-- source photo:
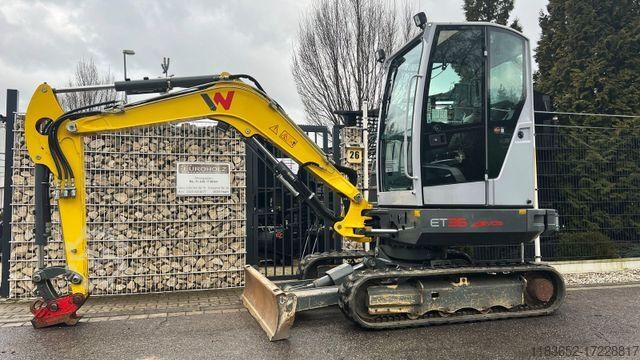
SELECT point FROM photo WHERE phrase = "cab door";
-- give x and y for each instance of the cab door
(398, 180)
(453, 165)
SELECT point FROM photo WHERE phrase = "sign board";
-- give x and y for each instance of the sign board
(354, 155)
(203, 179)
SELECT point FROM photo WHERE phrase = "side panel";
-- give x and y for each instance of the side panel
(461, 227)
(455, 194)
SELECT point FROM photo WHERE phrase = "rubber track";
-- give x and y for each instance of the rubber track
(351, 285)
(312, 261)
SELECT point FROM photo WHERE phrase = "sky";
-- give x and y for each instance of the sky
(42, 41)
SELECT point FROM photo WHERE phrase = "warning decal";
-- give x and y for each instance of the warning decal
(288, 138)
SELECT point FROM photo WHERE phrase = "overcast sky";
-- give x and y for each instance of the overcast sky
(43, 40)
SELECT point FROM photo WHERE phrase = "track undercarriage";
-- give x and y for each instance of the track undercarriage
(395, 298)
(380, 294)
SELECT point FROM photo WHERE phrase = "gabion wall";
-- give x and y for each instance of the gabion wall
(142, 237)
(352, 137)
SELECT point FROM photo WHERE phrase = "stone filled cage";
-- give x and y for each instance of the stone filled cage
(142, 238)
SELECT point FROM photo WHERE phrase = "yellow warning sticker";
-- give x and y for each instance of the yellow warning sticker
(288, 138)
(274, 128)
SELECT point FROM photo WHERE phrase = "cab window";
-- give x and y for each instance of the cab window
(506, 94)
(453, 148)
(397, 119)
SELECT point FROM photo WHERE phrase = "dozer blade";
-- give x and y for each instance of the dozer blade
(272, 308)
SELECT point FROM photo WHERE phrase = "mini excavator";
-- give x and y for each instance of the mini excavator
(456, 168)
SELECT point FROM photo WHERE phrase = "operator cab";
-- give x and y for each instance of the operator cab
(456, 122)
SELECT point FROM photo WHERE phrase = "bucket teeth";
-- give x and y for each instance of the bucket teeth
(272, 308)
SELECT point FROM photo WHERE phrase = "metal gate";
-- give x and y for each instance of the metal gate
(281, 229)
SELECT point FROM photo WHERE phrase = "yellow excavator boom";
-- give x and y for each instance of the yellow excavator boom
(54, 140)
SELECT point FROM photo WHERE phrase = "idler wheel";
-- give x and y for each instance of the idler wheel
(540, 289)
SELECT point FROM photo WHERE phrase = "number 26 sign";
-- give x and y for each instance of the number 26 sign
(354, 155)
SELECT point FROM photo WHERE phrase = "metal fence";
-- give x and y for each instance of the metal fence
(3, 132)
(3, 127)
(588, 169)
(143, 238)
(281, 229)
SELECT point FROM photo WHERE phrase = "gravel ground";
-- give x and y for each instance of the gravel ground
(610, 277)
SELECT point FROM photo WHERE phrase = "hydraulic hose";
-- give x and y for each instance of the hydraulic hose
(62, 164)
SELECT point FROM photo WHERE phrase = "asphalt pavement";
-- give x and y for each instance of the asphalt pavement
(590, 317)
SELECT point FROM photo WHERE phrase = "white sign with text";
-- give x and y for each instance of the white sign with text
(203, 179)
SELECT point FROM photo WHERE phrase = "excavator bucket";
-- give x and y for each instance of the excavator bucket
(272, 308)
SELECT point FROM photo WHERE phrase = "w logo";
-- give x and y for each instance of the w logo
(218, 100)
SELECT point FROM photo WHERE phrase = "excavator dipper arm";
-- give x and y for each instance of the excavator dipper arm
(55, 144)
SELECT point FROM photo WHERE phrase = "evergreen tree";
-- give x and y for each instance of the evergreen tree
(496, 11)
(588, 55)
(588, 62)
(515, 24)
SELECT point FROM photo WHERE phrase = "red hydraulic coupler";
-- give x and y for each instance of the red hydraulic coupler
(57, 311)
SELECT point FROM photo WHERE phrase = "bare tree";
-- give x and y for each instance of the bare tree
(334, 64)
(87, 73)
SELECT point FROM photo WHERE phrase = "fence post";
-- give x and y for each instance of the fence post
(12, 108)
(365, 156)
(251, 207)
(337, 203)
(537, 257)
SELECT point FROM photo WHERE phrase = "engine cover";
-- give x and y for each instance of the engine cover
(457, 227)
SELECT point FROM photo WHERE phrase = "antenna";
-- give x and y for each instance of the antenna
(165, 66)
